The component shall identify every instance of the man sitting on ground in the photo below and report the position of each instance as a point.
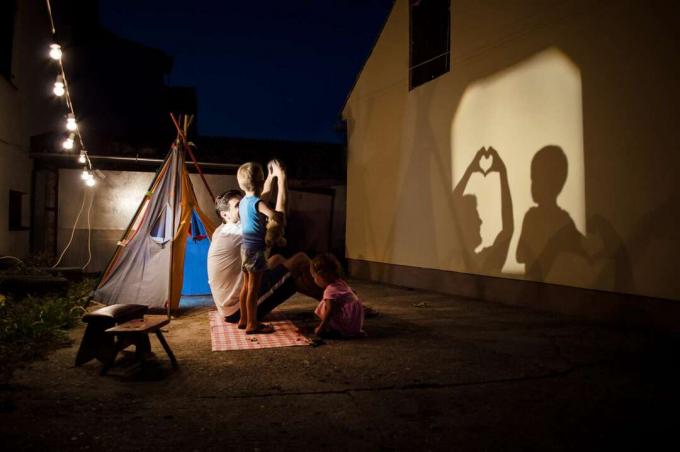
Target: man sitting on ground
(280, 281)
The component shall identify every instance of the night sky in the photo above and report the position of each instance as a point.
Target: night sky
(262, 69)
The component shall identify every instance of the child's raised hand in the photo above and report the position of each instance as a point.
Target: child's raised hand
(474, 164)
(276, 167)
(498, 164)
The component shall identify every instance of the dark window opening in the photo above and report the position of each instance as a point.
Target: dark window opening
(16, 210)
(430, 43)
(7, 13)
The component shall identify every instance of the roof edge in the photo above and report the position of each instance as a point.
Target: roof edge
(363, 66)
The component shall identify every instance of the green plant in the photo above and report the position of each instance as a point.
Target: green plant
(32, 325)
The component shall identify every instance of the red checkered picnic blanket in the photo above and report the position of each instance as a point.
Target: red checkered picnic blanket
(226, 336)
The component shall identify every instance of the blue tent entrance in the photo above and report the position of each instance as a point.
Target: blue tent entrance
(196, 259)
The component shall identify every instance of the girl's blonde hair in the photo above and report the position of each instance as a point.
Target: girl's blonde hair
(327, 266)
(250, 176)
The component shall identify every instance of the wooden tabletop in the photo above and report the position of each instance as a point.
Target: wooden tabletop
(148, 324)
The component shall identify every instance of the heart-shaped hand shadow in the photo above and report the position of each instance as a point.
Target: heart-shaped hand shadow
(485, 163)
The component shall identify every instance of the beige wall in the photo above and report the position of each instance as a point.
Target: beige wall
(116, 197)
(597, 81)
(112, 204)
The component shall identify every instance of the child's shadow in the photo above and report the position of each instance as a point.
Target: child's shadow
(548, 231)
(551, 247)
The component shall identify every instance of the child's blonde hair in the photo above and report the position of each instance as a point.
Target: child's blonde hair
(327, 266)
(250, 176)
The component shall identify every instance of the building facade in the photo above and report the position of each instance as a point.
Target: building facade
(521, 152)
(24, 107)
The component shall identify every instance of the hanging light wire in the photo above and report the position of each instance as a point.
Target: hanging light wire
(83, 152)
(49, 11)
(67, 92)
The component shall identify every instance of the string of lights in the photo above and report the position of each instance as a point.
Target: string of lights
(61, 89)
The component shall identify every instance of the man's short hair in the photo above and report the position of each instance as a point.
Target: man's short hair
(222, 201)
(250, 176)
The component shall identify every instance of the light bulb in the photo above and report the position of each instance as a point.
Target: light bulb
(85, 175)
(90, 182)
(81, 159)
(71, 122)
(55, 51)
(68, 142)
(58, 89)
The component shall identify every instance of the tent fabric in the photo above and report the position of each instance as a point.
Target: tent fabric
(197, 230)
(195, 259)
(148, 264)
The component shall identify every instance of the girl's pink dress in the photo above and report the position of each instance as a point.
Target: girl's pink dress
(348, 317)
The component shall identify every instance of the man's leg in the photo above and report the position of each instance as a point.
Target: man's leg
(277, 286)
(275, 260)
(299, 267)
(283, 279)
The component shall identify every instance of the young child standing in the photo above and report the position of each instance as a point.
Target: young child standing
(340, 310)
(253, 213)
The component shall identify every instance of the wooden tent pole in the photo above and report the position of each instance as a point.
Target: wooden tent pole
(172, 249)
(187, 148)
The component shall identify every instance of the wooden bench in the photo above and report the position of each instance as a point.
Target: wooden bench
(96, 343)
(136, 332)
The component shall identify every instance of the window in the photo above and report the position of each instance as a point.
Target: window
(7, 11)
(16, 210)
(430, 49)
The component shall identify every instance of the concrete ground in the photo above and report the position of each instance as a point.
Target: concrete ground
(436, 373)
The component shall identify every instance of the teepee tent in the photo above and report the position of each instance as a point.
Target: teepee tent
(163, 253)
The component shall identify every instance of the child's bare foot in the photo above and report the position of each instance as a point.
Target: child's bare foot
(241, 325)
(260, 328)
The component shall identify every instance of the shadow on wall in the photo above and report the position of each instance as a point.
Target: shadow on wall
(548, 232)
(536, 101)
(549, 245)
(489, 259)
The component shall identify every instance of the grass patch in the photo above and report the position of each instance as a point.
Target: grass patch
(32, 325)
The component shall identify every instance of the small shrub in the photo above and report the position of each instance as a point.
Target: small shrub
(33, 325)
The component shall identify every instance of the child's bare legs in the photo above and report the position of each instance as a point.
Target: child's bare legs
(243, 302)
(254, 280)
(253, 325)
(325, 317)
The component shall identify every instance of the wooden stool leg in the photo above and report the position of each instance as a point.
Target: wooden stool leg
(166, 347)
(107, 365)
(142, 345)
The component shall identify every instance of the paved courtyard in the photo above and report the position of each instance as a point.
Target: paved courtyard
(435, 373)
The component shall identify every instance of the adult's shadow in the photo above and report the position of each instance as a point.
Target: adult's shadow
(489, 260)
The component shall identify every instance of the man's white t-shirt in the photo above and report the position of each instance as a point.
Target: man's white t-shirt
(224, 267)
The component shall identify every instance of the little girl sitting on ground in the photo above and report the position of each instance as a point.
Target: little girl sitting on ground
(340, 310)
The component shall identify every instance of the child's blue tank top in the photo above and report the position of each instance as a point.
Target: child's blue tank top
(252, 223)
